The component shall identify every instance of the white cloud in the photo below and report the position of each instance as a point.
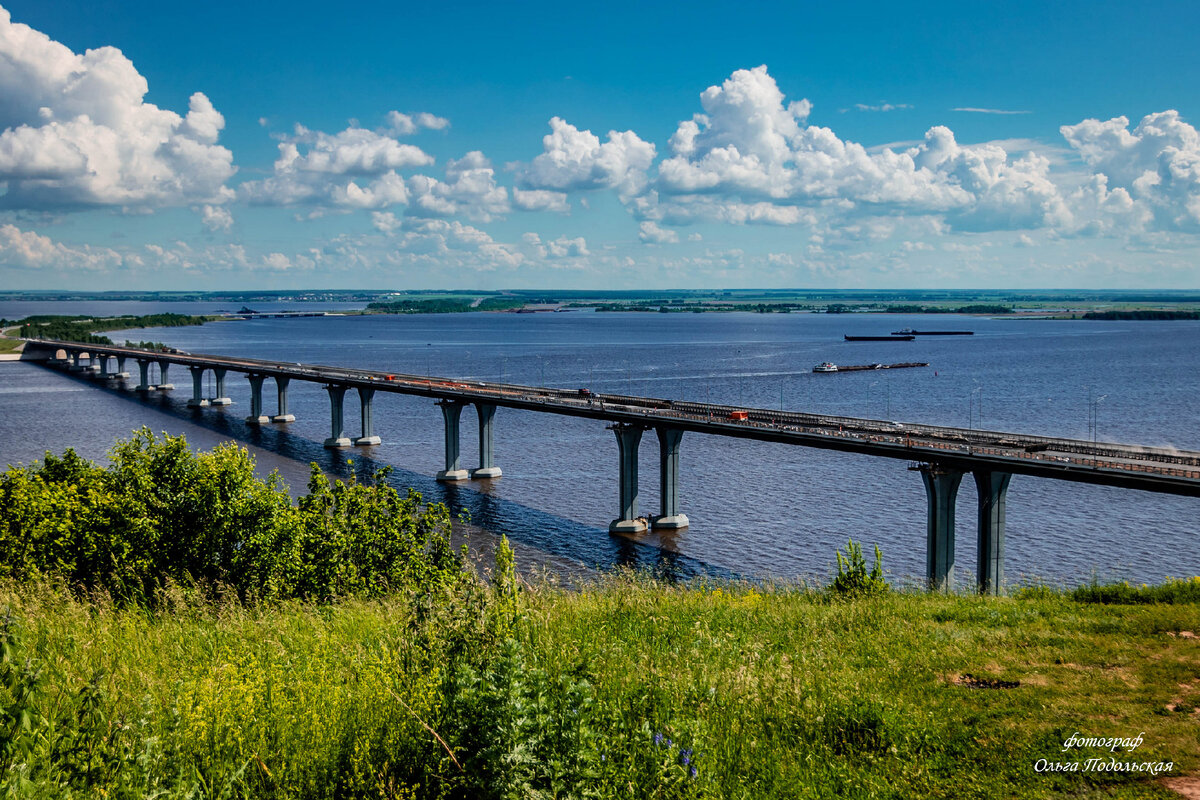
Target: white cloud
(408, 124)
(470, 189)
(277, 261)
(216, 218)
(76, 131)
(540, 200)
(355, 168)
(650, 233)
(972, 110)
(31, 250)
(1157, 163)
(574, 160)
(562, 247)
(881, 107)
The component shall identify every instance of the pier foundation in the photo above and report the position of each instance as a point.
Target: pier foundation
(281, 387)
(221, 399)
(628, 439)
(336, 437)
(144, 370)
(992, 488)
(121, 371)
(941, 491)
(163, 384)
(368, 437)
(257, 417)
(451, 411)
(198, 399)
(487, 467)
(669, 517)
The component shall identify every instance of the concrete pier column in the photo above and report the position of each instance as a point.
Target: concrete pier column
(336, 437)
(669, 517)
(451, 410)
(941, 490)
(163, 383)
(221, 399)
(364, 404)
(198, 399)
(257, 417)
(121, 371)
(93, 365)
(281, 387)
(144, 369)
(101, 362)
(76, 366)
(487, 468)
(992, 488)
(628, 438)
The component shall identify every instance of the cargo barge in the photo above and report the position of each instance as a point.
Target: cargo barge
(911, 332)
(828, 367)
(892, 338)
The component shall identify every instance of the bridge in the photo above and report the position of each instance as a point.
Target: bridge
(941, 455)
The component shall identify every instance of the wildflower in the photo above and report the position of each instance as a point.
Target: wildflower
(685, 756)
(693, 772)
(657, 739)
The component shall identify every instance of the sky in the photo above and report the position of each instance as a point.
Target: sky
(213, 146)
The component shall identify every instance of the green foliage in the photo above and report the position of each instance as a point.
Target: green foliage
(83, 329)
(446, 305)
(1173, 591)
(853, 578)
(1143, 314)
(160, 514)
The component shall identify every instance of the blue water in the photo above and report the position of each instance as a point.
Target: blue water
(756, 509)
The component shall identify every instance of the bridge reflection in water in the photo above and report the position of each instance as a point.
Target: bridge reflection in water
(942, 455)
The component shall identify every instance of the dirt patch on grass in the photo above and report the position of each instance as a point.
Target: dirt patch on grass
(1188, 787)
(976, 682)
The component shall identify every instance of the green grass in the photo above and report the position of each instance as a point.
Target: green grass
(776, 693)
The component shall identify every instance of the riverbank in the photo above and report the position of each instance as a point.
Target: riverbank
(629, 688)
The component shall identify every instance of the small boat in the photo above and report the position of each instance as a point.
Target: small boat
(892, 338)
(825, 366)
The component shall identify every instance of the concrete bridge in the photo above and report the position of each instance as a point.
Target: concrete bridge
(942, 456)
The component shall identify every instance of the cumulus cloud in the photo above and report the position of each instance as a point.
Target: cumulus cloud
(575, 160)
(408, 124)
(650, 233)
(216, 218)
(751, 152)
(470, 189)
(540, 200)
(354, 168)
(562, 247)
(880, 107)
(1157, 163)
(31, 250)
(77, 132)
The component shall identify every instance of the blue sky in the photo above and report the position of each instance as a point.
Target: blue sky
(288, 145)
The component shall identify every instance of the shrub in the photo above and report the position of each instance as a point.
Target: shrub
(853, 579)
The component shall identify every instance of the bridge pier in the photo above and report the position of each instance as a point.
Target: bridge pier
(198, 400)
(221, 399)
(75, 357)
(257, 417)
(451, 410)
(281, 387)
(628, 439)
(144, 370)
(102, 373)
(163, 384)
(121, 371)
(941, 490)
(992, 488)
(487, 468)
(364, 403)
(669, 517)
(337, 438)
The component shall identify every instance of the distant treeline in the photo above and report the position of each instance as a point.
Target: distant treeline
(1142, 313)
(978, 308)
(448, 305)
(83, 329)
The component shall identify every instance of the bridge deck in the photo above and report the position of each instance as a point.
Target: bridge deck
(1146, 468)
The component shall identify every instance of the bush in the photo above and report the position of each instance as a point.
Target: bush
(161, 514)
(853, 579)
